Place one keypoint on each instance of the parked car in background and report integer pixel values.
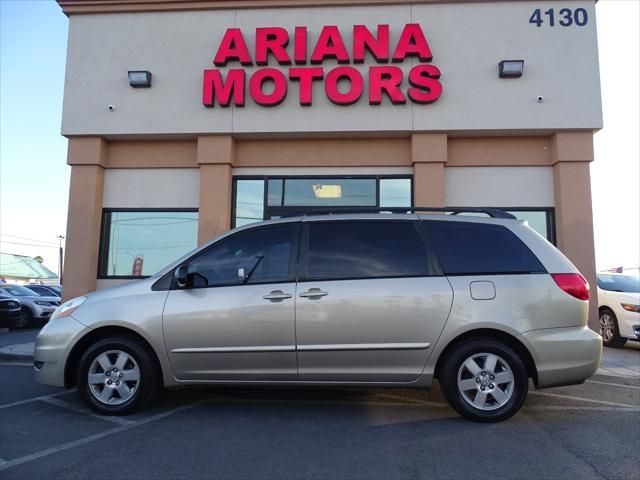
(10, 309)
(56, 288)
(481, 304)
(44, 290)
(619, 308)
(35, 308)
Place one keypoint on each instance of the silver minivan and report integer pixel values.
(381, 300)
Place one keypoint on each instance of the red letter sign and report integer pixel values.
(279, 91)
(274, 40)
(425, 80)
(300, 45)
(232, 47)
(213, 88)
(306, 77)
(378, 47)
(331, 85)
(412, 43)
(330, 45)
(388, 80)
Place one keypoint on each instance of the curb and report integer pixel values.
(22, 352)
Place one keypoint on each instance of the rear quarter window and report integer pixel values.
(467, 248)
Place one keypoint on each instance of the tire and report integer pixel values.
(24, 319)
(124, 376)
(609, 329)
(472, 394)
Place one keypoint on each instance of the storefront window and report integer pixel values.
(249, 202)
(139, 243)
(330, 192)
(542, 220)
(285, 195)
(395, 192)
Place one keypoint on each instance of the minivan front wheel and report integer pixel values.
(116, 376)
(484, 380)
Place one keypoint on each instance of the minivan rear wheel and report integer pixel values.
(116, 376)
(484, 380)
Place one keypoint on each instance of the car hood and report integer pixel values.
(37, 298)
(623, 297)
(135, 287)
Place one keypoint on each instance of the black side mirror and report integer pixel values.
(181, 274)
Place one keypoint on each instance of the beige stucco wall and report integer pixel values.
(467, 40)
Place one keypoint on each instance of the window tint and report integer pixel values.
(468, 248)
(264, 254)
(341, 250)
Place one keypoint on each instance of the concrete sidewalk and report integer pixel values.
(617, 362)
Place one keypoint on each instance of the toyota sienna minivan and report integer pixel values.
(359, 299)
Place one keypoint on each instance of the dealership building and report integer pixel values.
(186, 118)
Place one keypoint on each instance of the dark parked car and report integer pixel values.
(44, 290)
(10, 309)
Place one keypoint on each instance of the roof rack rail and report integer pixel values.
(491, 212)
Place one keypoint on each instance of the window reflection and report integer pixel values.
(395, 192)
(141, 243)
(249, 202)
(330, 192)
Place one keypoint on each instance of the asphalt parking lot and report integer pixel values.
(586, 431)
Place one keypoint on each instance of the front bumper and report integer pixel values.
(53, 345)
(564, 356)
(629, 324)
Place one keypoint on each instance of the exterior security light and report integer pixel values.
(139, 78)
(511, 68)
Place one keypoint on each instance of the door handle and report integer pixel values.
(314, 293)
(276, 295)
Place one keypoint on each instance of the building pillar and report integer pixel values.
(428, 157)
(216, 158)
(571, 154)
(87, 157)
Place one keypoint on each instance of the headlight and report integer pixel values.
(630, 307)
(38, 302)
(67, 308)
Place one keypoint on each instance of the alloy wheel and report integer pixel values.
(485, 381)
(114, 377)
(607, 327)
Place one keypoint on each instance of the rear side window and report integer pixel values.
(354, 250)
(466, 248)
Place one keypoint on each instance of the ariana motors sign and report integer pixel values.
(343, 84)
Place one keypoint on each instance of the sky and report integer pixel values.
(34, 176)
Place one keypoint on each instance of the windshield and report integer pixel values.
(18, 291)
(619, 283)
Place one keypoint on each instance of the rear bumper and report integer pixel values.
(53, 345)
(564, 356)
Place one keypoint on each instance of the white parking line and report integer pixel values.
(582, 399)
(78, 409)
(82, 441)
(34, 399)
(614, 384)
(581, 408)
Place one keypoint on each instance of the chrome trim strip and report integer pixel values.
(363, 346)
(275, 348)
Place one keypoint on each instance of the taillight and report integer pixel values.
(572, 283)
